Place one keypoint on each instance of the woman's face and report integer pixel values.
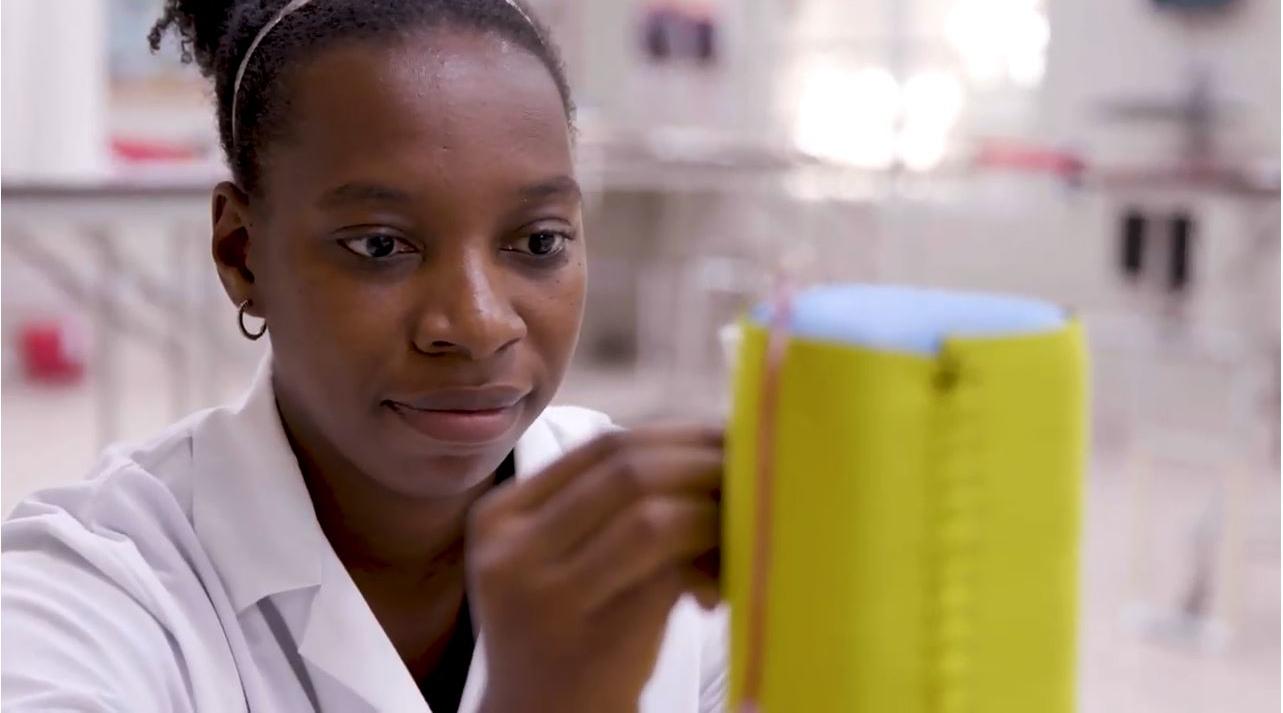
(418, 256)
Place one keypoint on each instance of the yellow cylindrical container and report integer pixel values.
(924, 505)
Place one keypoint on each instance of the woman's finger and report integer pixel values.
(649, 537)
(533, 492)
(587, 504)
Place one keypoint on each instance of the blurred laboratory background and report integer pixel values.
(1120, 157)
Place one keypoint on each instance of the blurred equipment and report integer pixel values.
(903, 503)
(1179, 261)
(1195, 5)
(679, 32)
(1132, 253)
(1178, 269)
(1199, 113)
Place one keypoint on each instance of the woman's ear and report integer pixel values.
(230, 215)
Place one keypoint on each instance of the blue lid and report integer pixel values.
(911, 319)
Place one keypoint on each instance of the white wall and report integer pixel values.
(1111, 49)
(603, 51)
(53, 89)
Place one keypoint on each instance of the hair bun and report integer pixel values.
(201, 25)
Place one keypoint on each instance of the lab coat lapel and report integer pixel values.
(470, 702)
(343, 639)
(275, 546)
(253, 512)
(250, 507)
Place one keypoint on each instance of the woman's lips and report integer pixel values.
(467, 416)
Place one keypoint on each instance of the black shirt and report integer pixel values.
(443, 688)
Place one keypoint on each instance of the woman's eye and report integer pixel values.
(376, 246)
(543, 243)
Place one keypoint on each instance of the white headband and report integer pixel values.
(290, 7)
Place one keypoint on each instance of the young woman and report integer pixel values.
(403, 225)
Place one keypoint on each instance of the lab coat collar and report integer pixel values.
(255, 517)
(251, 509)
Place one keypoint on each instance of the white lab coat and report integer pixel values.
(190, 574)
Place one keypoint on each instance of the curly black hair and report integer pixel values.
(216, 34)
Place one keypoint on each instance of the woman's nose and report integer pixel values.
(468, 312)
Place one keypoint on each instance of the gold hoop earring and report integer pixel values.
(240, 322)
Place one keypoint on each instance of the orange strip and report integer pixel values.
(776, 349)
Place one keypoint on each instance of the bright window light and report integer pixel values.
(932, 100)
(921, 149)
(862, 117)
(997, 39)
(848, 114)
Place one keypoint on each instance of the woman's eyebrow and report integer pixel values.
(560, 185)
(360, 192)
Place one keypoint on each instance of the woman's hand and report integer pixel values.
(572, 574)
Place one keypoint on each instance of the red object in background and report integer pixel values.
(145, 151)
(51, 352)
(1019, 156)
